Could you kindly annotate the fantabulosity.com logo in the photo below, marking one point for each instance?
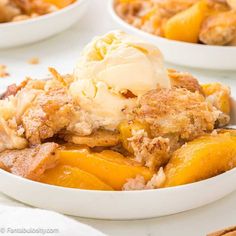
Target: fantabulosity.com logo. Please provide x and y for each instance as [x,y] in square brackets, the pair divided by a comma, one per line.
[20,231]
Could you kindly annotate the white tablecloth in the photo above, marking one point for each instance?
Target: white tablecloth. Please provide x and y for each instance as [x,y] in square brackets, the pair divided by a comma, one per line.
[61,52]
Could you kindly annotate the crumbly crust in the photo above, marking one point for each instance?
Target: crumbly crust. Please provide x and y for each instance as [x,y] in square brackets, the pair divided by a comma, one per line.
[178,112]
[49,113]
[30,162]
[139,183]
[151,152]
[99,138]
[219,29]
[33,112]
[184,80]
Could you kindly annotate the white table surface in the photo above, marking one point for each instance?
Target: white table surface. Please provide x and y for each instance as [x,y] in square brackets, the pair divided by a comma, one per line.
[62,52]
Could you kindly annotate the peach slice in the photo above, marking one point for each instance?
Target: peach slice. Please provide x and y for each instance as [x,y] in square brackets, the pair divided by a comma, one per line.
[185,26]
[73,177]
[60,3]
[111,167]
[202,158]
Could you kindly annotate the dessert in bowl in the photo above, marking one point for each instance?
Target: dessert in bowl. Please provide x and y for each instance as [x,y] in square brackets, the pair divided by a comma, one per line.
[32,21]
[181,29]
[120,122]
[210,22]
[15,10]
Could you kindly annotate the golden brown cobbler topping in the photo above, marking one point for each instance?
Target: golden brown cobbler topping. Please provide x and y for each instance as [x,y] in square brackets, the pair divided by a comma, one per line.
[30,162]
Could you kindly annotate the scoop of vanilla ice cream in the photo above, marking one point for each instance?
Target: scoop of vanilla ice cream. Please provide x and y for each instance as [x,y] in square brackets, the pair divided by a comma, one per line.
[103,106]
[109,67]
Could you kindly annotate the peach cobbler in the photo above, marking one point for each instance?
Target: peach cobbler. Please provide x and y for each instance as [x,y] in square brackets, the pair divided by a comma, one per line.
[211,22]
[120,121]
[17,10]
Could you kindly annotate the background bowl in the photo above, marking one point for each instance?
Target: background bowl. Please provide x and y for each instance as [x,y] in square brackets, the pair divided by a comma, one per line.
[185,54]
[24,32]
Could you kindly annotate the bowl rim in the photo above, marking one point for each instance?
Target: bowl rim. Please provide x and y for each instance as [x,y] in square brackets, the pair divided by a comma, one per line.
[123,23]
[184,187]
[43,17]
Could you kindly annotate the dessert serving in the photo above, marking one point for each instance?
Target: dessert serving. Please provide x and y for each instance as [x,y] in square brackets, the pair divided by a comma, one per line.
[210,22]
[18,10]
[120,121]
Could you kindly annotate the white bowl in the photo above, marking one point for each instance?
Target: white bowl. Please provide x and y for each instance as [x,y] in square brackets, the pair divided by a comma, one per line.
[24,32]
[118,205]
[185,54]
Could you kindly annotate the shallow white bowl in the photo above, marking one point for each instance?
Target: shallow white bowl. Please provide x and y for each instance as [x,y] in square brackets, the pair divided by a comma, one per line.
[185,54]
[24,32]
[118,205]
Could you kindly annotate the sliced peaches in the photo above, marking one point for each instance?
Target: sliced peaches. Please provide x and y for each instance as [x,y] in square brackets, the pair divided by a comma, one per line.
[185,26]
[202,158]
[60,3]
[109,166]
[73,177]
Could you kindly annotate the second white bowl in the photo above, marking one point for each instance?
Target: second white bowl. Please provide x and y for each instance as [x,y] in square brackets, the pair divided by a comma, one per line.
[185,54]
[14,34]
